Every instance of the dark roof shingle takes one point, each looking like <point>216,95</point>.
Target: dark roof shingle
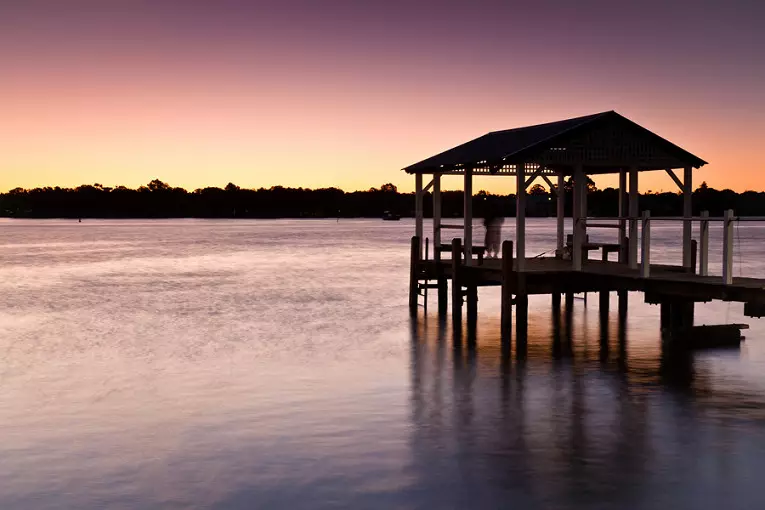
<point>498,145</point>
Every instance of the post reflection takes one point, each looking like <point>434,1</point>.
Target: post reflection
<point>548,429</point>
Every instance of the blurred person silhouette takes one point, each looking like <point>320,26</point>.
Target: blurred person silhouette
<point>492,221</point>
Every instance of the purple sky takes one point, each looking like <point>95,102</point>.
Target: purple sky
<point>345,93</point>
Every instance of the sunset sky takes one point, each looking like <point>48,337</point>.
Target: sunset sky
<point>345,93</point>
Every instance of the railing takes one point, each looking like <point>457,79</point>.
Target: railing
<point>728,219</point>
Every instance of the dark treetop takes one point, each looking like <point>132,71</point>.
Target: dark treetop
<point>158,200</point>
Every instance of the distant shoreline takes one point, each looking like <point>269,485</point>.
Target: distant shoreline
<point>158,200</point>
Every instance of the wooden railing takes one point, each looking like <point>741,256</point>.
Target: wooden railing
<point>728,220</point>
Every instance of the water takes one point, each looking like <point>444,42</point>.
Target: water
<point>272,364</point>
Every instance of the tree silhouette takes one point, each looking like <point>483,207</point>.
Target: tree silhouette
<point>160,200</point>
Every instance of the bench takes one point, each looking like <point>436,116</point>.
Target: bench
<point>476,250</point>
<point>587,246</point>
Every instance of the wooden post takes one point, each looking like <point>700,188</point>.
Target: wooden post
<point>456,288</point>
<point>687,214</point>
<point>694,256</point>
<point>603,306</point>
<point>665,315</point>
<point>556,323</point>
<point>579,191</point>
<point>521,317</point>
<point>440,279</point>
<point>622,213</point>
<point>561,211</point>
<point>623,305</point>
<point>507,291</point>
<point>704,241</point>
<point>727,269</point>
<point>645,246</point>
<point>437,217</point>
<point>414,260</point>
<point>520,217</point>
<point>425,287</point>
<point>418,232</point>
<point>568,318</point>
<point>472,309</point>
<point>604,294</point>
<point>468,214</point>
<point>633,213</point>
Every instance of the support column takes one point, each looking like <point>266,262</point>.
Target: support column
<point>521,317</point>
<point>665,315</point>
<point>623,305</point>
<point>704,244</point>
<point>520,217</point>
<point>687,214</point>
<point>437,216</point>
<point>569,324</point>
<point>456,289</point>
<point>605,295</point>
<point>472,311</point>
<point>507,292</point>
<point>561,212</point>
<point>727,266</point>
<point>622,213</point>
<point>468,214</point>
<point>441,280</point>
<point>579,191</point>
<point>645,245</point>
<point>418,232</point>
<point>556,350</point>
<point>633,213</point>
<point>603,306</point>
<point>414,259</point>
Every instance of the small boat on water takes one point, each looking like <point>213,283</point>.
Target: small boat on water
<point>390,216</point>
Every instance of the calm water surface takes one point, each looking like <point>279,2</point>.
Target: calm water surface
<point>272,364</point>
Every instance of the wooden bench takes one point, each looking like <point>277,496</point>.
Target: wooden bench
<point>476,250</point>
<point>587,247</point>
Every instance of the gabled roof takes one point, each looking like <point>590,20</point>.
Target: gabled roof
<point>524,143</point>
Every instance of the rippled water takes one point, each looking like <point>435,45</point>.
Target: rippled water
<point>272,364</point>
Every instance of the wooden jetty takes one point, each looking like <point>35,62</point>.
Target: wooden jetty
<point>604,143</point>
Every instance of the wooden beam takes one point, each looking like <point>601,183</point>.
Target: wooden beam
<point>533,176</point>
<point>622,213</point>
<point>704,244</point>
<point>561,212</point>
<point>418,209</point>
<point>436,182</point>
<point>553,190</point>
<point>468,215</point>
<point>579,191</point>
<point>413,276</point>
<point>507,292</point>
<point>687,214</point>
<point>520,217</point>
<point>645,246</point>
<point>676,179</point>
<point>633,213</point>
<point>727,265</point>
<point>456,289</point>
<point>430,184</point>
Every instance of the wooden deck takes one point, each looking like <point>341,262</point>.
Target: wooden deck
<point>550,275</point>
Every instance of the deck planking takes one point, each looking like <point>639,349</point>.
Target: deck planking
<point>547,275</point>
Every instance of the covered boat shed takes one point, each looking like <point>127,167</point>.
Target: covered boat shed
<point>603,143</point>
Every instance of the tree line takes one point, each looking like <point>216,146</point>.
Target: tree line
<point>160,200</point>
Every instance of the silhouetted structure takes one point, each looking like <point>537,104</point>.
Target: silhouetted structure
<point>597,144</point>
<point>160,200</point>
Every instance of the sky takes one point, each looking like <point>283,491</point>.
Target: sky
<point>345,93</point>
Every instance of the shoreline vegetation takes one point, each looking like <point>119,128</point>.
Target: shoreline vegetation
<point>160,200</point>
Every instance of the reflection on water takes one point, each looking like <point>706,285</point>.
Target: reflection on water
<point>272,364</point>
<point>581,424</point>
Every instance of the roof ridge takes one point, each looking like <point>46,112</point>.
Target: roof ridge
<point>582,118</point>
